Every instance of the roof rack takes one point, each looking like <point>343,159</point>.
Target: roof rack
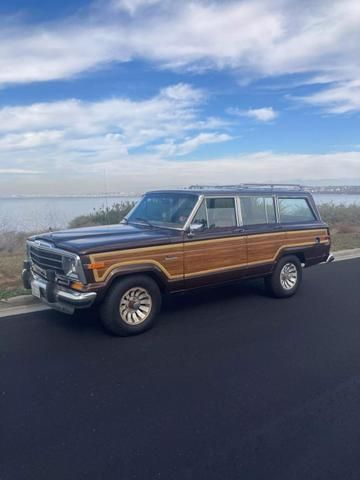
<point>272,186</point>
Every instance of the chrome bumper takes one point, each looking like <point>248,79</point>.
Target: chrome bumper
<point>63,299</point>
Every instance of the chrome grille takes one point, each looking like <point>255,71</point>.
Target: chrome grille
<point>45,259</point>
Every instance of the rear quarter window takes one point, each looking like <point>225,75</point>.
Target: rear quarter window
<point>292,210</point>
<point>257,210</point>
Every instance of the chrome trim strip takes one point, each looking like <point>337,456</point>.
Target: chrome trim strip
<point>193,213</point>
<point>240,221</point>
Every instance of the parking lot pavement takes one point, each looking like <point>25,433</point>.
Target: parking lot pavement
<point>230,384</point>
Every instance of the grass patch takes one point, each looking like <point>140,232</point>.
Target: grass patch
<point>5,294</point>
<point>345,241</point>
<point>10,272</point>
<point>344,222</point>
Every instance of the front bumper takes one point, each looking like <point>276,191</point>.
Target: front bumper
<point>59,298</point>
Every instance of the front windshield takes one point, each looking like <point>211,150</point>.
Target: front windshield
<point>169,210</point>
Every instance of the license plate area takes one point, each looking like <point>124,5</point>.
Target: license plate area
<point>35,290</point>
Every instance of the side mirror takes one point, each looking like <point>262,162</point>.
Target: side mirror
<point>195,227</point>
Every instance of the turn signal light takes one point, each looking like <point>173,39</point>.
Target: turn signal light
<point>77,285</point>
<point>95,266</point>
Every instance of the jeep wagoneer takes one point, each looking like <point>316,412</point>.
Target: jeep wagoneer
<point>176,240</point>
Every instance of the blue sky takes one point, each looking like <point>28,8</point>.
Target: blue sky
<point>154,93</point>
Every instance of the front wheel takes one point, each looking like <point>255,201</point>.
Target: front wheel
<point>286,277</point>
<point>131,305</point>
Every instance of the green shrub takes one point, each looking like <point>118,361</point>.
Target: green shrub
<point>340,214</point>
<point>103,216</point>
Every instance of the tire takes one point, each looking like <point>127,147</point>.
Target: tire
<point>286,277</point>
<point>131,305</point>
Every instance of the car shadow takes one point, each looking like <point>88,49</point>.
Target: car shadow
<point>88,320</point>
<point>210,295</point>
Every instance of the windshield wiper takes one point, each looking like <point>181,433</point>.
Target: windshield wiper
<point>144,220</point>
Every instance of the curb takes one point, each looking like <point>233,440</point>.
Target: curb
<point>21,310</point>
<point>28,304</point>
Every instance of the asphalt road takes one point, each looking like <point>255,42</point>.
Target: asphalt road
<point>230,384</point>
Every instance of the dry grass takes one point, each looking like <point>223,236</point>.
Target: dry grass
<point>12,252</point>
<point>345,240</point>
<point>10,272</point>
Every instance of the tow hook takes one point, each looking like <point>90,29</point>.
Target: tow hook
<point>26,275</point>
<point>50,286</point>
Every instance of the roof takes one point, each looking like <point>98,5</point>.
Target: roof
<point>250,188</point>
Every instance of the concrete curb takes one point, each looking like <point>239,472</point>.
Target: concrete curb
<point>28,304</point>
<point>20,310</point>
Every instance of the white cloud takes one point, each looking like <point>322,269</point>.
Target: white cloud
<point>264,114</point>
<point>27,140</point>
<point>18,171</point>
<point>132,6</point>
<point>135,123</point>
<point>255,38</point>
<point>70,133</point>
<point>190,144</point>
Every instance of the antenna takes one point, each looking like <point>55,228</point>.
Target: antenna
<point>106,199</point>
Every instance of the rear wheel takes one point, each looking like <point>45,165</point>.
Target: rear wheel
<point>286,277</point>
<point>131,305</point>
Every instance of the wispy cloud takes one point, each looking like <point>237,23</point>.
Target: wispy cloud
<point>264,114</point>
<point>341,97</point>
<point>190,144</point>
<point>149,171</point>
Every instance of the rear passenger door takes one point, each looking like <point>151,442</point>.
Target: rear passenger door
<point>215,248</point>
<point>264,235</point>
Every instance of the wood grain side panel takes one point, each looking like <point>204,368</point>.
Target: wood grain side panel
<point>204,256</point>
<point>264,248</point>
<point>209,255</point>
<point>169,258</point>
<point>306,236</point>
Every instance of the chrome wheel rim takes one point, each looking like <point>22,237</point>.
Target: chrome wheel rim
<point>288,276</point>
<point>135,305</point>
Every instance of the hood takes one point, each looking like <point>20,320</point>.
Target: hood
<point>109,237</point>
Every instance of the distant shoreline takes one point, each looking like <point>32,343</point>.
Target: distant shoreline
<point>109,195</point>
<point>328,190</point>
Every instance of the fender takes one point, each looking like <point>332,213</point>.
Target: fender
<point>144,268</point>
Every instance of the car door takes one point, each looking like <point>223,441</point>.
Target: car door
<point>214,248</point>
<point>265,237</point>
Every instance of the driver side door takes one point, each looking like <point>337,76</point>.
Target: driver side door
<point>215,248</point>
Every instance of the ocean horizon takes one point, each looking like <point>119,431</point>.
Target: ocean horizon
<point>39,213</point>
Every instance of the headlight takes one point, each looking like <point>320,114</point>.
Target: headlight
<point>70,267</point>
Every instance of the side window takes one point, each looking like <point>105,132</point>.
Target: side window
<point>295,210</point>
<point>221,212</point>
<point>257,210</point>
<point>216,213</point>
